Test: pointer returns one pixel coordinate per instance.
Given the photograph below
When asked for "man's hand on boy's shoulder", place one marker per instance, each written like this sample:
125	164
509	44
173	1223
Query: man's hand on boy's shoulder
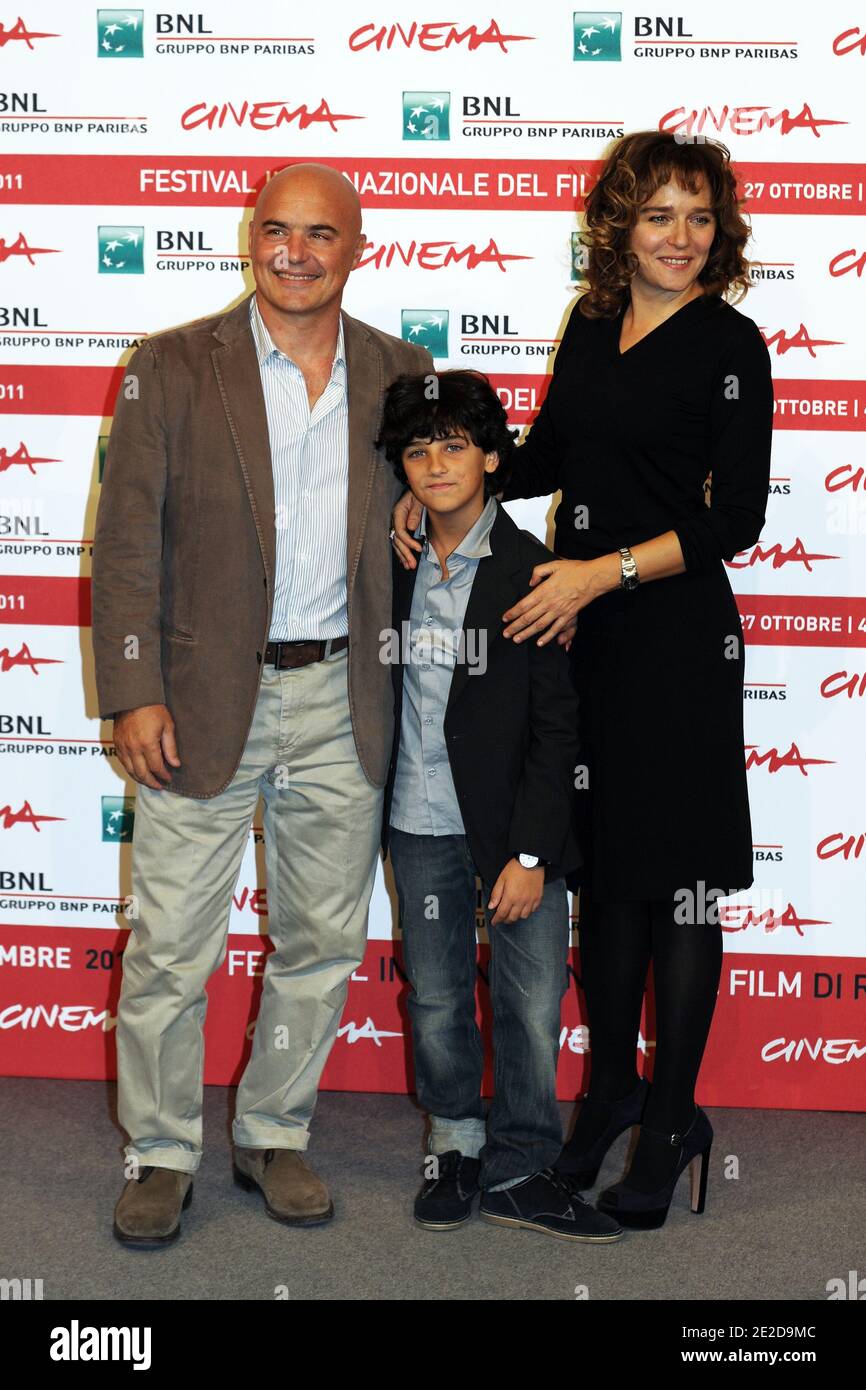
516	893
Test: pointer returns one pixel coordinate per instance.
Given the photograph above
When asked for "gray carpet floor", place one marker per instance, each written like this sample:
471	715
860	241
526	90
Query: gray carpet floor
786	1212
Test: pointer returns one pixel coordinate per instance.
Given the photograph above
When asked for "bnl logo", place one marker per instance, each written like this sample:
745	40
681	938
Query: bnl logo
119	33
425	115
596	36
118	818
121	250
429	327
579	257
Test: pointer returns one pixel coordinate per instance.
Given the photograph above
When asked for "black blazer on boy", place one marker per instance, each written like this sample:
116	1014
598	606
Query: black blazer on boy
511	731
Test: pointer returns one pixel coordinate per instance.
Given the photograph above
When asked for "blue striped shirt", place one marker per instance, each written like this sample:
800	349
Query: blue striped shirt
424	799
310	460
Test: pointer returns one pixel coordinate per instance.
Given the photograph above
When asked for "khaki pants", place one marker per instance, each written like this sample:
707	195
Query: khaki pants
321	827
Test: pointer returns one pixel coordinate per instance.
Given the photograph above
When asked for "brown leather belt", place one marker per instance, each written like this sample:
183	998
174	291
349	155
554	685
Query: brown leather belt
288	655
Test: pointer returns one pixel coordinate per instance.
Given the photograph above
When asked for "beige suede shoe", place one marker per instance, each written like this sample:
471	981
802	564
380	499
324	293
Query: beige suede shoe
291	1190
149	1208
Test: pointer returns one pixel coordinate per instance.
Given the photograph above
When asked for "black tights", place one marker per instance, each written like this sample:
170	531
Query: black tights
617	942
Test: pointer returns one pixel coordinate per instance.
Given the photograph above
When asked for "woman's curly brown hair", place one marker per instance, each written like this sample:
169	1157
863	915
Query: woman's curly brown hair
636	167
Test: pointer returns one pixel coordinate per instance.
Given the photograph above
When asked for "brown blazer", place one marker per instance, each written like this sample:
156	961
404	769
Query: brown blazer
185	542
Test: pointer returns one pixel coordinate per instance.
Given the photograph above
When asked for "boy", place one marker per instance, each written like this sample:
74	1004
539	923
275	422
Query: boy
481	781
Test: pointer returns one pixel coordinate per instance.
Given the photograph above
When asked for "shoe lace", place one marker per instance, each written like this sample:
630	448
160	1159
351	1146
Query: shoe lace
563	1183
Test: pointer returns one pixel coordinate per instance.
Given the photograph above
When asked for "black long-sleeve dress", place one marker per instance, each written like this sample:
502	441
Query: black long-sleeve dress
630	439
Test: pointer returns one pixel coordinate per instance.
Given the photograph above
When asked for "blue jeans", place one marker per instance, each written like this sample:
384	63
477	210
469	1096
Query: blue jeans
435	878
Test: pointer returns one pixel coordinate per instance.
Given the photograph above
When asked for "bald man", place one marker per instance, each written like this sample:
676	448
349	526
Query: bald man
241	579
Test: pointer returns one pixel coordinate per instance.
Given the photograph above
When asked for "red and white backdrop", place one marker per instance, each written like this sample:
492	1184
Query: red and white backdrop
133	142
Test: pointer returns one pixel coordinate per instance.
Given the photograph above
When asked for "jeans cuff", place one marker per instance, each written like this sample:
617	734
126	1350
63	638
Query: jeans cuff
468	1136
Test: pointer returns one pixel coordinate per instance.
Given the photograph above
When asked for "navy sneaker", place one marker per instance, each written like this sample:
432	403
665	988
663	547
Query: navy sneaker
548	1202
446	1200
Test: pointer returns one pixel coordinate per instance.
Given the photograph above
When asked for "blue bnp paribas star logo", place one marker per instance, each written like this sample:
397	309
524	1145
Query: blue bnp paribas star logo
596	36
118	817
579	257
429	327
119	33
121	250
425	115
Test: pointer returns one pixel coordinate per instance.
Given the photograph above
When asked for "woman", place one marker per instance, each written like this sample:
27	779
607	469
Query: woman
658	383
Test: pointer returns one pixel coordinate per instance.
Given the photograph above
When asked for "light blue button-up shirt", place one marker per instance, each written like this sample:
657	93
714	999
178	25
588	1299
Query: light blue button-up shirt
310	459
424	801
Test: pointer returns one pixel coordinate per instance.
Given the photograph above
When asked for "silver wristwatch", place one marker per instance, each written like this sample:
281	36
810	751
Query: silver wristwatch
629	577
528	861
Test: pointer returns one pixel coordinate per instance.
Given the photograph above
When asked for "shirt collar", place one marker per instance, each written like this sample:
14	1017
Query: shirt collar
265	345
476	543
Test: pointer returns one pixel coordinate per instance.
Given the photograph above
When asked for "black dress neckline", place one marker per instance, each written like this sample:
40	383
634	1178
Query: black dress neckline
617	322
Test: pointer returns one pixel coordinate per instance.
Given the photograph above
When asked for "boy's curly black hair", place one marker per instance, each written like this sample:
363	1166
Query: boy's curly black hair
438	404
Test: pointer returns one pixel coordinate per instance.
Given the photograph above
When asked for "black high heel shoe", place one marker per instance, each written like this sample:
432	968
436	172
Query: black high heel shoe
648	1210
581	1164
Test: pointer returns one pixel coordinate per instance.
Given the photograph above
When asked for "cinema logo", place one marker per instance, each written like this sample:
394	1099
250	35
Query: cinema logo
22	458
774	761
835	1051
849	41
850	847
743	120
764	910
21	247
24	657
852	684
844	262
845	514
435	37
25	815
436	255
262	115
784	342
778	557
767	908
19	33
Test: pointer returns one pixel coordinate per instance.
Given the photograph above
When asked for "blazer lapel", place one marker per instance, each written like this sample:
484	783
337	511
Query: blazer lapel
492	592
240	385
366	387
